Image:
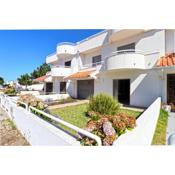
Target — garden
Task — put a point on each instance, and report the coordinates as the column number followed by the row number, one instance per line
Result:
column 102, row 116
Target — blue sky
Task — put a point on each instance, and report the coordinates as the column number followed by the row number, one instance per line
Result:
column 21, row 51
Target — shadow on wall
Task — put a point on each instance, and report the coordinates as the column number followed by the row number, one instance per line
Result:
column 146, row 86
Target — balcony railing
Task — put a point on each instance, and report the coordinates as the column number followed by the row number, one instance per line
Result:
column 60, row 66
column 126, row 52
column 66, row 43
column 92, row 65
column 66, row 49
column 60, row 71
column 51, row 58
column 126, row 59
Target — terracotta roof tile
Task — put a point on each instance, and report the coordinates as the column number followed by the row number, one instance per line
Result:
column 41, row 79
column 81, row 74
column 167, row 60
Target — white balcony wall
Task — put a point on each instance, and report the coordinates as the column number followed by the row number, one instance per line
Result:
column 66, row 49
column 126, row 61
column 60, row 71
column 93, row 42
column 152, row 43
column 50, row 59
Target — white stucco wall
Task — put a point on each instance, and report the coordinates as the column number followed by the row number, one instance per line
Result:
column 92, row 42
column 37, row 131
column 143, row 134
column 145, row 86
column 170, row 41
column 56, row 85
column 70, row 88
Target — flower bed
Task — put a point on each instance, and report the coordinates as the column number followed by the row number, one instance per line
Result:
column 31, row 100
column 107, row 127
column 105, row 121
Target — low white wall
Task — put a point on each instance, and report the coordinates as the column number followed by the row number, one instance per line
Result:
column 29, row 92
column 36, row 130
column 36, row 87
column 144, row 131
column 52, row 97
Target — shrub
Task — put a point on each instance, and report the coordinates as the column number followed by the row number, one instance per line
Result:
column 103, row 104
column 107, row 127
column 31, row 100
column 10, row 91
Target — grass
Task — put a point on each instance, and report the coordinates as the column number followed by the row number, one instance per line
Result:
column 10, row 123
column 130, row 112
column 160, row 132
column 76, row 115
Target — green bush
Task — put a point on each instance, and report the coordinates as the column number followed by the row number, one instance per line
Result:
column 104, row 104
column 10, row 91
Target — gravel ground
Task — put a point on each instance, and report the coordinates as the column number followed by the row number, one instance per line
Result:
column 9, row 135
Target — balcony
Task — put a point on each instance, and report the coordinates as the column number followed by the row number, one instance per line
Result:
column 93, row 43
column 60, row 71
column 66, row 49
column 51, row 59
column 126, row 59
column 118, row 34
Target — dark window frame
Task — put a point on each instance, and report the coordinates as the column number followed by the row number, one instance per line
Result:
column 63, row 87
column 67, row 63
column 95, row 60
column 126, row 47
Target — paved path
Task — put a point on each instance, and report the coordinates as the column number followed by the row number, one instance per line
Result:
column 171, row 125
column 86, row 101
column 68, row 104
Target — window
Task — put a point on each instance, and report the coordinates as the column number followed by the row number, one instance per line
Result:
column 96, row 60
column 67, row 63
column 126, row 47
column 62, row 87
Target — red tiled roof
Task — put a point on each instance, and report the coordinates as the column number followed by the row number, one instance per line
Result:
column 41, row 79
column 81, row 74
column 167, row 60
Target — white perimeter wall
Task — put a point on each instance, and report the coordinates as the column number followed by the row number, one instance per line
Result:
column 143, row 134
column 37, row 131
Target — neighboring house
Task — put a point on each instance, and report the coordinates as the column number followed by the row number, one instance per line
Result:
column 43, row 83
column 132, row 65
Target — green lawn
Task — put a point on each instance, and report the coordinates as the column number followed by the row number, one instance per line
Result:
column 76, row 115
column 160, row 132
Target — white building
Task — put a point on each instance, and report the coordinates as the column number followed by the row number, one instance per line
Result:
column 126, row 64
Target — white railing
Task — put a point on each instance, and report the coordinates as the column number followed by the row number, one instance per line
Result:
column 126, row 52
column 66, row 43
column 51, row 54
column 91, row 65
column 60, row 66
column 4, row 103
column 73, row 127
column 20, row 102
